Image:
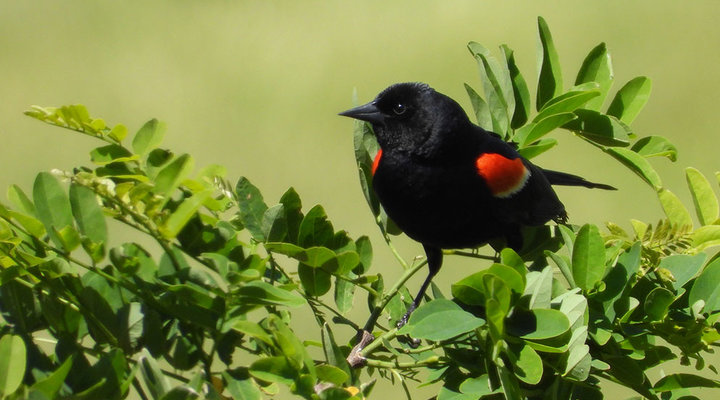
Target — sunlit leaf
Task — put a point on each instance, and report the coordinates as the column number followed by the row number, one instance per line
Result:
column 638, row 164
column 482, row 111
column 172, row 174
column 531, row 132
column 520, row 90
column 674, row 209
column 52, row 205
column 588, row 257
column 526, row 363
column 597, row 67
column 88, row 213
column 251, row 207
column 684, row 381
column 148, row 137
column 550, row 78
column 456, row 321
column 655, row 146
column 497, row 87
column 706, row 288
column 566, row 103
column 111, row 153
column 704, row 199
column 12, row 363
column 630, row 99
column 599, row 128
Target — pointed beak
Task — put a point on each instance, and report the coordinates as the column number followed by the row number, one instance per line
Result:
column 366, row 112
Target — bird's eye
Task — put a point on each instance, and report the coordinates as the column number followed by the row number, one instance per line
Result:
column 399, row 109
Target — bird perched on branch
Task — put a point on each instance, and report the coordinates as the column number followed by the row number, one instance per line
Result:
column 448, row 183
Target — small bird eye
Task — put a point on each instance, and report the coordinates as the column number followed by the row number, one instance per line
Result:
column 399, row 109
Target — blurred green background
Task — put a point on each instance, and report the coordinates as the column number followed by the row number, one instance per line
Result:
column 256, row 86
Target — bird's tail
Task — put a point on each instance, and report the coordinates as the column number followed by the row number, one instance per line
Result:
column 565, row 179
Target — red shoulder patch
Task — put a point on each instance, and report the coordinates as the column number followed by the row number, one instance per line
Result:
column 376, row 162
column 504, row 176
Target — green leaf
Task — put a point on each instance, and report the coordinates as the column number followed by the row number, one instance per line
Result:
column 684, row 381
column 148, row 137
column 530, row 133
column 171, row 176
column 657, row 303
column 12, row 363
column 318, row 257
column 273, row 369
column 315, row 281
column 52, row 205
column 655, row 146
column 88, row 213
column 509, row 383
column 315, row 229
column 344, row 294
column 566, row 103
column 674, row 209
column 455, row 321
column 706, row 288
column 331, row 374
column 550, row 78
column 540, row 288
column 520, row 90
column 683, row 267
column 537, row 148
column 477, row 387
column 118, row 132
column 706, row 236
column 274, row 224
column 704, row 199
column 471, row 289
column 526, row 363
column 292, row 205
column 497, row 305
column 599, row 128
column 181, row 393
column 333, row 354
column 32, row 225
column 20, row 200
column 497, row 87
column 155, row 380
column 630, row 99
column 50, row 385
column 184, row 213
column 638, row 164
column 253, row 329
column 480, row 107
column 111, row 153
column 263, row 293
column 538, row 324
column 241, row 386
column 251, row 208
column 597, row 67
column 588, row 257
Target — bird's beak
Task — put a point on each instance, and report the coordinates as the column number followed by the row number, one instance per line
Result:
column 366, row 112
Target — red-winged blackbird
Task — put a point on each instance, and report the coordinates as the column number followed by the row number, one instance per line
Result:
column 447, row 183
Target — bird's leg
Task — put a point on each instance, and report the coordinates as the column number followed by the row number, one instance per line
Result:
column 434, row 258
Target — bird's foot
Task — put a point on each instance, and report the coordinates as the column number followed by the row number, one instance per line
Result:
column 412, row 342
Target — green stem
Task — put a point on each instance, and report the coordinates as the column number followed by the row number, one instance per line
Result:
column 389, row 243
column 470, row 254
column 377, row 311
column 403, row 365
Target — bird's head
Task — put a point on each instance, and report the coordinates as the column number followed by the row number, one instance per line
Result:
column 408, row 117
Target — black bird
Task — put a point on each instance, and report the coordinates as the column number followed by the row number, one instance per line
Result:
column 448, row 183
